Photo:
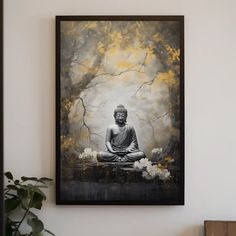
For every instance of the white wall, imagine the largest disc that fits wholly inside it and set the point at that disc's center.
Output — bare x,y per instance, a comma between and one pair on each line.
210,81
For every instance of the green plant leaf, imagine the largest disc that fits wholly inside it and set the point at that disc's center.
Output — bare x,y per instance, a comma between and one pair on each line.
12,187
37,201
42,186
24,186
45,179
42,182
10,195
24,203
49,232
36,225
24,178
22,192
32,214
9,175
37,234
11,204
35,189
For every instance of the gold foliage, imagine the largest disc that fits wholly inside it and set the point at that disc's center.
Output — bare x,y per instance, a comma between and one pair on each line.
67,104
116,38
169,159
150,54
139,24
174,54
90,25
157,37
66,142
101,47
168,78
107,27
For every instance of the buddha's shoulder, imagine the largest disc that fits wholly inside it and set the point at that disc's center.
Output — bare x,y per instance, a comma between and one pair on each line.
115,126
130,127
112,126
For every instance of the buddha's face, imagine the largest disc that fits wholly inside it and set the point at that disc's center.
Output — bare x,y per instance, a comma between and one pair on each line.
120,118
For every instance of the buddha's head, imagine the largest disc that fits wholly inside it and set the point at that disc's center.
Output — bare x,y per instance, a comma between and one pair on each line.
120,114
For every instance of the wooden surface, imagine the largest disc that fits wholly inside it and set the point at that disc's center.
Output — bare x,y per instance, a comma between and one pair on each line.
220,228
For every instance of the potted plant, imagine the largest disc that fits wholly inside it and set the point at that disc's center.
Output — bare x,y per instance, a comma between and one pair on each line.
22,196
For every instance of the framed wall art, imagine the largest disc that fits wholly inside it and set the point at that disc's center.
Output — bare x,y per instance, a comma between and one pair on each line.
120,110
1,121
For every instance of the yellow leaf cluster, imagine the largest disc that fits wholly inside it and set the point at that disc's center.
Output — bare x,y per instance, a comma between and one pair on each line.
106,27
101,48
91,25
168,78
67,104
66,142
169,159
150,54
160,166
157,37
139,24
174,54
116,38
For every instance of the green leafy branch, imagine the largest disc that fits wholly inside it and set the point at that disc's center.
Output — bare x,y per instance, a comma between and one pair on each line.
21,196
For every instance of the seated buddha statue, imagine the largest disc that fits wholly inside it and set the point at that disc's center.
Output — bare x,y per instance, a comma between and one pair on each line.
121,141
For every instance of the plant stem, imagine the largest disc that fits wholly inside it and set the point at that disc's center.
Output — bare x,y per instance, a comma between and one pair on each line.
26,212
18,226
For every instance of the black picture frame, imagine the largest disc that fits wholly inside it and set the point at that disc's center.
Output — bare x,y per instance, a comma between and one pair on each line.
60,199
1,121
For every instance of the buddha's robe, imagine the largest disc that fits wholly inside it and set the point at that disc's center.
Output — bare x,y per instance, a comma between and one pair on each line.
125,140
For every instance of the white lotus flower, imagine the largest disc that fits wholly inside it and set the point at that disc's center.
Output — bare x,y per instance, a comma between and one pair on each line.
145,162
138,165
87,151
88,154
152,170
165,174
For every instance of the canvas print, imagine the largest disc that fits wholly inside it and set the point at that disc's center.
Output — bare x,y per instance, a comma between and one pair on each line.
120,122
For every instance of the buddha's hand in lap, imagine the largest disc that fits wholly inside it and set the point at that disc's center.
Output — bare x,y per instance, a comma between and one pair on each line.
122,159
120,153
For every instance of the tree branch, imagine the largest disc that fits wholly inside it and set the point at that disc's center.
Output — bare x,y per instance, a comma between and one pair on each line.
150,82
84,121
120,73
84,114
